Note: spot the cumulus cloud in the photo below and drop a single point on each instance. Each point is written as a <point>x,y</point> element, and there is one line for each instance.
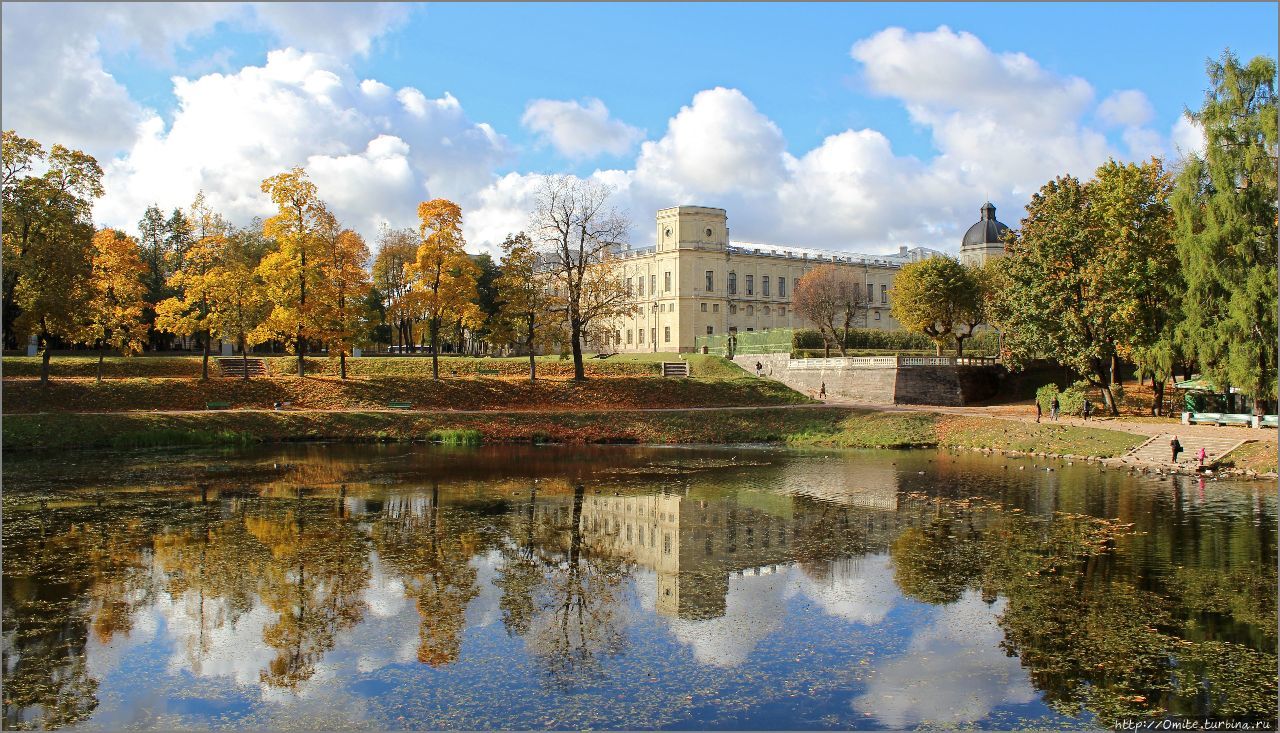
<point>754,608</point>
<point>579,130</point>
<point>56,88</point>
<point>1187,137</point>
<point>1128,108</point>
<point>373,153</point>
<point>860,589</point>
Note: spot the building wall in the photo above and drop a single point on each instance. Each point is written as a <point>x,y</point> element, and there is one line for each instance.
<point>692,241</point>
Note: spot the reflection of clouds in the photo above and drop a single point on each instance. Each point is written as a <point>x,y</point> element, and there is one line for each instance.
<point>384,595</point>
<point>483,610</point>
<point>859,589</point>
<point>102,659</point>
<point>953,671</point>
<point>225,648</point>
<point>754,608</point>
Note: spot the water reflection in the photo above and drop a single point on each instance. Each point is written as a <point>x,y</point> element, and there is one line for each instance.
<point>611,587</point>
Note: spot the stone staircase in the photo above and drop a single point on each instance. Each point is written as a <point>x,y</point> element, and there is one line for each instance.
<point>235,366</point>
<point>675,368</point>
<point>1156,450</point>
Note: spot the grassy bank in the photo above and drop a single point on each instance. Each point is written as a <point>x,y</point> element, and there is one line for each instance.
<point>330,393</point>
<point>1257,456</point>
<point>817,426</point>
<point>619,365</point>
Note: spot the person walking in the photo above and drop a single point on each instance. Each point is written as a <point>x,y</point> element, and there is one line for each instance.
<point>1087,410</point>
<point>1176,447</point>
<point>759,369</point>
<point>1039,411</point>
<point>822,391</point>
<point>1203,455</point>
<point>1053,408</point>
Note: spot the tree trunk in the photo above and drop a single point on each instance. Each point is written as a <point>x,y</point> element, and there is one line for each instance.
<point>244,357</point>
<point>302,352</point>
<point>1116,376</point>
<point>960,345</point>
<point>533,369</point>
<point>100,354</point>
<point>937,348</point>
<point>1103,373</point>
<point>204,364</point>
<point>435,348</point>
<point>575,333</point>
<point>44,363</point>
<point>342,363</point>
<point>1157,395</point>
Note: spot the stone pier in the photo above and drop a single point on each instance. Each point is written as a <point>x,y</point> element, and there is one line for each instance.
<point>884,380</point>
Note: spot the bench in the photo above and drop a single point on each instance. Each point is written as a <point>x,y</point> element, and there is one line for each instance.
<point>1268,421</point>
<point>1233,419</point>
<point>489,371</point>
<point>400,405</point>
<point>217,405</point>
<point>1206,417</point>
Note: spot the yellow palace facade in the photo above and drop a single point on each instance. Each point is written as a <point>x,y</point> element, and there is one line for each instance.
<point>696,281</point>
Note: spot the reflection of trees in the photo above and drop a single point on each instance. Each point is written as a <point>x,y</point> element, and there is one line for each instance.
<point>520,572</point>
<point>62,576</point>
<point>936,562</point>
<point>564,600</point>
<point>314,580</point>
<point>433,553</point>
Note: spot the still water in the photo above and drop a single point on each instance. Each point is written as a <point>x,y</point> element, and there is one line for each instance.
<point>395,587</point>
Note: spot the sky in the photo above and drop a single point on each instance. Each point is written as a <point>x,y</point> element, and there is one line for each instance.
<point>855,127</point>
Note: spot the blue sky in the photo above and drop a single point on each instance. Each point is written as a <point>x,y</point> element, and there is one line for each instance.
<point>787,77</point>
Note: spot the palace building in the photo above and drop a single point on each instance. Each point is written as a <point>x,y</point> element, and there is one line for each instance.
<point>696,281</point>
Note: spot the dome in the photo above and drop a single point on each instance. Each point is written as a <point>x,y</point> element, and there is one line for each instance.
<point>987,230</point>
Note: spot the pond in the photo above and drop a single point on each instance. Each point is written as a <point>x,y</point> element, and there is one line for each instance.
<point>396,587</point>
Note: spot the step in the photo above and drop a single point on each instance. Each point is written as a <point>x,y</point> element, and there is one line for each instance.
<point>232,366</point>
<point>1156,450</point>
<point>675,369</point>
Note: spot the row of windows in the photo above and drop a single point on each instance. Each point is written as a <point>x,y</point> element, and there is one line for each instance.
<point>732,286</point>
<point>635,286</point>
<point>639,333</point>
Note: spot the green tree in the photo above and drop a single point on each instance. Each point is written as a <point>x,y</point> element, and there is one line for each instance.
<point>528,310</point>
<point>187,313</point>
<point>486,295</point>
<point>152,238</point>
<point>1225,207</point>
<point>934,297</point>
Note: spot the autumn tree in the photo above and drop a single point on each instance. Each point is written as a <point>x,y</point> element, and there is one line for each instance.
<point>1225,207</point>
<point>528,310</point>
<point>188,312</point>
<point>344,286</point>
<point>238,304</point>
<point>116,292</point>
<point>935,296</point>
<point>293,271</point>
<point>577,233</point>
<point>443,276</point>
<point>832,298</point>
<point>397,248</point>
<point>1088,275</point>
<point>48,233</point>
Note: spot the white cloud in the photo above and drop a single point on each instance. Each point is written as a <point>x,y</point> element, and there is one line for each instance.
<point>580,131</point>
<point>1187,137</point>
<point>57,90</point>
<point>754,607</point>
<point>373,155</point>
<point>860,589</point>
<point>1127,108</point>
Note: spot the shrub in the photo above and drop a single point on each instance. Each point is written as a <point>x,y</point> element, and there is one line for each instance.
<point>1045,395</point>
<point>1072,399</point>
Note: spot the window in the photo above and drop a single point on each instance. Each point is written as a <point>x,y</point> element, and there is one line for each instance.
<point>871,292</point>
<point>766,310</point>
<point>666,334</point>
<point>782,287</point>
<point>884,294</point>
<point>653,284</point>
<point>666,543</point>
<point>666,282</point>
<point>782,311</point>
<point>715,307</point>
<point>764,286</point>
<point>653,335</point>
<point>711,330</point>
<point>751,286</point>
<point>711,281</point>
<point>640,335</point>
<point>877,315</point>
<point>750,329</point>
<point>628,336</point>
<point>751,310</point>
<point>733,283</point>
<point>662,307</point>
<point>640,283</point>
<point>704,307</point>
<point>733,310</point>
<point>617,336</point>
<point>708,232</point>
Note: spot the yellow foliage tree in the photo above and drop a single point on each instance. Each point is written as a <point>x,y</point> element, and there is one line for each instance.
<point>238,299</point>
<point>443,277</point>
<point>528,310</point>
<point>116,299</point>
<point>344,286</point>
<point>293,271</point>
<point>187,313</point>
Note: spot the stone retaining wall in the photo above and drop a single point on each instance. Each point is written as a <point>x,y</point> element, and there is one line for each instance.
<point>881,381</point>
